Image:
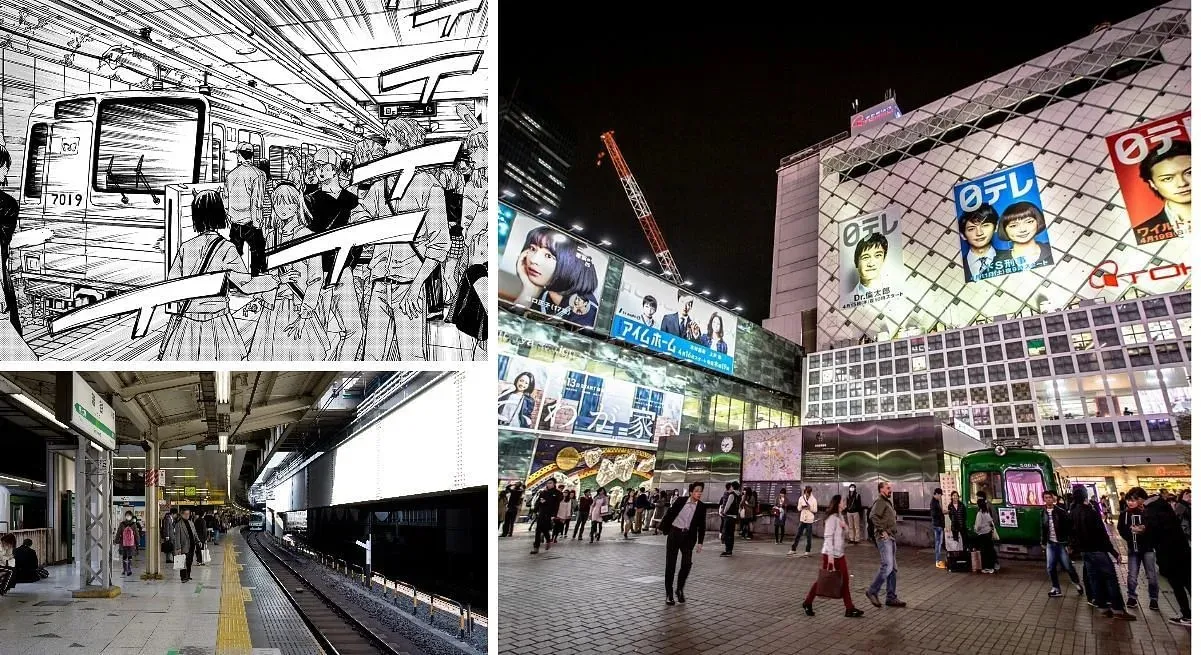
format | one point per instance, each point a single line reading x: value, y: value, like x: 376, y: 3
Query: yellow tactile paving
x: 233, y: 632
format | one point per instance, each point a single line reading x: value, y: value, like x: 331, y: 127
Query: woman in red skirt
x: 833, y: 542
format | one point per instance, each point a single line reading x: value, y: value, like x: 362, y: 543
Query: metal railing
x: 400, y: 594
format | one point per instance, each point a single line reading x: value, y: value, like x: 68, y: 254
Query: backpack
x: 128, y: 538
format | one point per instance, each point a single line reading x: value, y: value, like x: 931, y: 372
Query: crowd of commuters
x: 1074, y: 528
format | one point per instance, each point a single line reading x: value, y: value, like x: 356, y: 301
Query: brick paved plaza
x: 607, y: 598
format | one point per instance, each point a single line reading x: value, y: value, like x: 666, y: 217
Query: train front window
x: 35, y: 160
x: 1024, y: 486
x: 987, y: 481
x: 145, y: 144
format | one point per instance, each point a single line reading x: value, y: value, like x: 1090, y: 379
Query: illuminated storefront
x: 601, y: 363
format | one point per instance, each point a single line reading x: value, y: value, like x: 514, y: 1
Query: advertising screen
x: 821, y: 454
x: 504, y: 225
x: 700, y: 454
x: 667, y: 319
x: 551, y: 272
x: 673, y: 457
x: 1002, y: 229
x: 589, y: 465
x: 870, y: 258
x: 550, y: 397
x: 1154, y: 165
x: 772, y: 454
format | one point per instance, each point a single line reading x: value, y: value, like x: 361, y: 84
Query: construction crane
x: 642, y: 209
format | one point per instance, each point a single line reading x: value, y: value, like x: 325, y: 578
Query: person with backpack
x: 127, y: 540
x: 982, y: 532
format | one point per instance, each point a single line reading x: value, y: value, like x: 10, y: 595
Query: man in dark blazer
x: 685, y: 526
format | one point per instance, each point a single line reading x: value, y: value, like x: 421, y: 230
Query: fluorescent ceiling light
x: 37, y: 407
x: 223, y: 441
x: 222, y: 384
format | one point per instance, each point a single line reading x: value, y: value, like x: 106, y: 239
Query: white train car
x: 94, y: 220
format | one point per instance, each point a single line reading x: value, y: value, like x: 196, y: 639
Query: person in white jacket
x: 833, y: 556
x: 807, y: 506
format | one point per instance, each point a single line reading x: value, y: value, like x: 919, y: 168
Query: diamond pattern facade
x: 1056, y: 111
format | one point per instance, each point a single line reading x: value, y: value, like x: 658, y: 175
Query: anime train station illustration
x: 244, y: 180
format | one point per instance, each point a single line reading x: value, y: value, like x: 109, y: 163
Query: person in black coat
x: 25, y: 563
x: 684, y: 523
x: 547, y: 506
x: 9, y: 211
x: 1055, y: 533
x: 1162, y: 531
x: 957, y: 512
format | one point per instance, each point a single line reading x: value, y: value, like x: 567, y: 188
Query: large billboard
x: 668, y: 319
x: 589, y: 465
x: 550, y: 271
x: 772, y: 454
x: 549, y: 397
x: 1153, y: 162
x: 870, y: 251
x: 1002, y: 228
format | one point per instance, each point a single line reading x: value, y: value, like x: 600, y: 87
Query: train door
x: 57, y: 178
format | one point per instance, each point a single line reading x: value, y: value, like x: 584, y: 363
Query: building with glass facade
x: 590, y: 391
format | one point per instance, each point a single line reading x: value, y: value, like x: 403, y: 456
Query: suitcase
x: 976, y: 567
x: 959, y: 562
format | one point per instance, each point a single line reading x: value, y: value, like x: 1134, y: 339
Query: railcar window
x: 987, y: 481
x: 217, y: 161
x: 35, y: 159
x: 143, y: 145
x: 1024, y: 486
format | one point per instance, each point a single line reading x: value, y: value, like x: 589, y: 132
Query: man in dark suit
x: 685, y: 526
x: 1169, y: 175
x: 680, y: 322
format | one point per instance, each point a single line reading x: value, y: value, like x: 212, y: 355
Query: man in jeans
x: 1172, y: 552
x: 806, y: 507
x: 1056, y: 527
x: 729, y: 514
x: 939, y: 521
x: 1140, y: 552
x: 884, y: 519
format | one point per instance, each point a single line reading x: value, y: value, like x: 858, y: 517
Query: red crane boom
x: 642, y: 209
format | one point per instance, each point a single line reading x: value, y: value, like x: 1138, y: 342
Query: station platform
x: 231, y: 606
x: 608, y: 597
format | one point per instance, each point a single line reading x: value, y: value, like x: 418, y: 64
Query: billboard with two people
x: 1002, y: 228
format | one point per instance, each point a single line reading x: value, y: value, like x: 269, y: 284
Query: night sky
x: 705, y: 104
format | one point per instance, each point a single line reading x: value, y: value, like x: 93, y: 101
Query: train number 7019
x: 66, y: 199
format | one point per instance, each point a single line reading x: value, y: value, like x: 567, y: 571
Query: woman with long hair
x: 983, y: 529
x: 714, y: 336
x: 290, y: 326
x: 833, y: 556
x: 515, y: 407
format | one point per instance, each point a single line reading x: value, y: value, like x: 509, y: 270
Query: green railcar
x: 1013, y: 479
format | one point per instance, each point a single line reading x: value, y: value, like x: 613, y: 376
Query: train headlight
x: 999, y: 450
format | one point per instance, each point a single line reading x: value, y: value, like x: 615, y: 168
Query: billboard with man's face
x: 549, y: 271
x: 668, y: 319
x: 869, y: 251
x: 1154, y: 165
x: 1002, y: 228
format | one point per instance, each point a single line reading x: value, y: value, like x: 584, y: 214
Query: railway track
x: 335, y: 629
